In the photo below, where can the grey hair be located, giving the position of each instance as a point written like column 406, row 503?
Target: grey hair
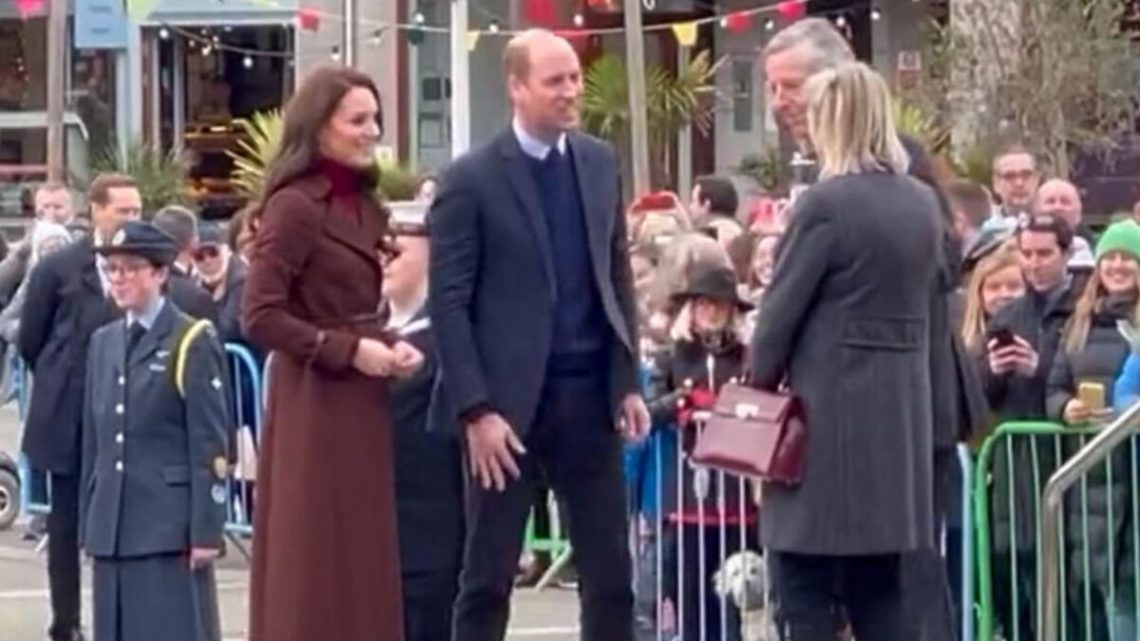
column 179, row 223
column 829, row 48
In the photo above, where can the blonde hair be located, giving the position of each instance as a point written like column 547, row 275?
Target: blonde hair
column 974, row 319
column 1077, row 329
column 850, row 122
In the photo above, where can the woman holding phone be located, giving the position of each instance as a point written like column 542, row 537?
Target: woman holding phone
column 1090, row 358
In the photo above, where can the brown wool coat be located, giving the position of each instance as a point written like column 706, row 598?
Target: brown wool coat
column 326, row 562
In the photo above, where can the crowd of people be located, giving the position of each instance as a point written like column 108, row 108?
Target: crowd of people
column 432, row 379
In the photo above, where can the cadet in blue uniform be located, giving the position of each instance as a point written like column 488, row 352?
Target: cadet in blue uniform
column 154, row 455
column 429, row 477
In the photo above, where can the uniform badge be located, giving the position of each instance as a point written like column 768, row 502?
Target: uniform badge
column 221, row 467
column 157, row 367
column 218, row 493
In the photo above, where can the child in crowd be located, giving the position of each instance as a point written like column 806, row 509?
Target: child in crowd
column 715, row 516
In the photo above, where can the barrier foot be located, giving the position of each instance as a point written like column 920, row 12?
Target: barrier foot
column 242, row 548
column 556, row 567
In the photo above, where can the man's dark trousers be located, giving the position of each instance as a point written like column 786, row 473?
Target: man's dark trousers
column 63, row 556
column 573, row 440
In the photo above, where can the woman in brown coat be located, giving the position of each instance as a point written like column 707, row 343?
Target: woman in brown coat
column 326, row 564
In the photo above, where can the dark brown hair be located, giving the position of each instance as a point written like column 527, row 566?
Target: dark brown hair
column 305, row 115
column 99, row 192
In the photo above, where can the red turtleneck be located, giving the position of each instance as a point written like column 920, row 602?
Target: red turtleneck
column 345, row 180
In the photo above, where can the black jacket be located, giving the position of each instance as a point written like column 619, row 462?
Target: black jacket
column 189, row 296
column 229, row 306
column 429, row 477
column 493, row 293
column 65, row 304
column 1105, row 497
column 1022, row 465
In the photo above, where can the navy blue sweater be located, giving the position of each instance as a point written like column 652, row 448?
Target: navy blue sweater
column 580, row 327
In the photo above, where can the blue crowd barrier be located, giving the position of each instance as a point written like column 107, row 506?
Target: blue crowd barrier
column 246, row 390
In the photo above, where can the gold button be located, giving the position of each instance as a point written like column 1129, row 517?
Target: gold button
column 118, row 466
column 119, row 408
column 119, row 437
column 122, row 381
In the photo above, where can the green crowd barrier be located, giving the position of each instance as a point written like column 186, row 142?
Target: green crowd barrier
column 1099, row 578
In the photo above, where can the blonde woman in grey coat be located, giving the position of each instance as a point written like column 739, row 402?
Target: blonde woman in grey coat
column 845, row 324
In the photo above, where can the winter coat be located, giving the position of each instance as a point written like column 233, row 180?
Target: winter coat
column 693, row 365
column 1098, row 509
column 1021, row 465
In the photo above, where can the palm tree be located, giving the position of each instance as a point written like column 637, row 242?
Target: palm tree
column 258, row 146
column 673, row 101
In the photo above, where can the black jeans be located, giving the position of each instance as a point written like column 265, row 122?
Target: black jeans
column 574, row 442
column 63, row 556
column 813, row 595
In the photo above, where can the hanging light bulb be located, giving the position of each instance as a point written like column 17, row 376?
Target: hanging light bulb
column 876, row 15
column 494, row 26
column 207, row 50
column 335, row 54
column 164, row 33
column 769, row 25
column 418, row 18
column 579, row 20
column 841, row 22
column 724, row 22
column 247, row 62
column 377, row 37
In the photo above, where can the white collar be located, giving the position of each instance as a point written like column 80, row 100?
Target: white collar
column 534, row 147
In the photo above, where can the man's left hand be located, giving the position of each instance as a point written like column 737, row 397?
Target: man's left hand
column 634, row 420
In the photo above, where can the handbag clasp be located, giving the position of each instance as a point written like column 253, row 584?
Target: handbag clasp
column 747, row 410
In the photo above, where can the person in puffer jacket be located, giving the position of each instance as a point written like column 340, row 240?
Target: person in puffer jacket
column 713, row 519
column 1098, row 511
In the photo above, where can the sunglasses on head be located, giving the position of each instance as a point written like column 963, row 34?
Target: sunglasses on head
column 206, row 252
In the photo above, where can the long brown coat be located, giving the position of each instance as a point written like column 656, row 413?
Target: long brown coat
column 326, row 561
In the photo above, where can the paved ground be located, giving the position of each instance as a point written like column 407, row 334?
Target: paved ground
column 545, row 616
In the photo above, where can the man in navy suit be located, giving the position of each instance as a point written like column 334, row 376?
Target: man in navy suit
column 532, row 304
column 67, row 300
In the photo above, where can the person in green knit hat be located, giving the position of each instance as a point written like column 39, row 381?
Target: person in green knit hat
column 1085, row 386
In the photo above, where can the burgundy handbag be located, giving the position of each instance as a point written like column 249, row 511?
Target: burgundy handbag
column 754, row 432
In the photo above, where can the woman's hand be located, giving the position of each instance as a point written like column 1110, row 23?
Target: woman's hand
column 373, row 358
column 407, row 360
column 1076, row 412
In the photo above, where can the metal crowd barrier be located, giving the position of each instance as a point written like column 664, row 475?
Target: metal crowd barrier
column 700, row 573
column 246, row 391
column 1094, row 559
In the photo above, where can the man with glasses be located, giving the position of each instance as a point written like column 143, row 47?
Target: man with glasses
column 67, row 300
column 181, row 224
column 1015, row 179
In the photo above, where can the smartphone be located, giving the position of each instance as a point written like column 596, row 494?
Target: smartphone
column 1092, row 395
column 1003, row 336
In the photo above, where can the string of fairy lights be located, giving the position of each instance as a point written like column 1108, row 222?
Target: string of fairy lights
column 766, row 17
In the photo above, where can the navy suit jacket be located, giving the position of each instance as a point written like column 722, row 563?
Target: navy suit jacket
column 65, row 304
column 492, row 294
